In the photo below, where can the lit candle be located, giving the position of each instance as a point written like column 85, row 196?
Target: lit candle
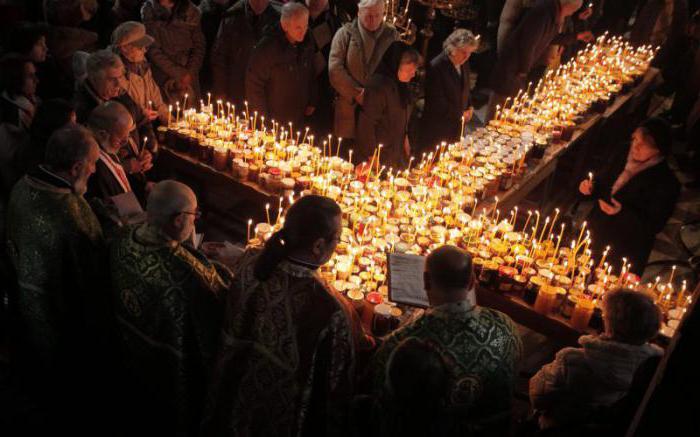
column 267, row 212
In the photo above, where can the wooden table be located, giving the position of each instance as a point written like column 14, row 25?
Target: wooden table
column 226, row 202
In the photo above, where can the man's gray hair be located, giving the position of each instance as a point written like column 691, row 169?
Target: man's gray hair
column 293, row 10
column 100, row 60
column 67, row 146
column 167, row 198
column 108, row 116
column 370, row 4
column 458, row 39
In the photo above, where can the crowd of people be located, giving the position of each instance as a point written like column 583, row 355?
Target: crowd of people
column 120, row 328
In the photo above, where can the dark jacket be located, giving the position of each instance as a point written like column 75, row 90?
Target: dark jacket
column 103, row 184
column 280, row 81
column 446, row 99
column 648, row 200
column 179, row 47
column 524, row 46
column 239, row 31
column 383, row 120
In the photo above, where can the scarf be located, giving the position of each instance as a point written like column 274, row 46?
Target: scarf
column 369, row 40
column 632, row 169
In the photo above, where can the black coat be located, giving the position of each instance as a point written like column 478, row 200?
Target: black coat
column 524, row 46
column 383, row 119
column 103, row 184
column 446, row 99
column 239, row 31
column 280, row 81
column 648, row 200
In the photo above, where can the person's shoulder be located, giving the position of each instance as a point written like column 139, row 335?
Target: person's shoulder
column 495, row 317
column 237, row 10
column 192, row 15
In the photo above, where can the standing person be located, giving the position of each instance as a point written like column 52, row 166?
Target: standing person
column 50, row 116
column 634, row 196
column 212, row 12
column 323, row 24
column 241, row 28
column 525, row 46
column 386, row 110
column 168, row 301
column 280, row 81
column 59, row 311
column 356, row 51
column 30, row 40
column 599, row 373
column 178, row 52
column 130, row 42
column 18, row 103
column 286, row 365
column 511, row 14
column 480, row 346
column 66, row 35
column 447, row 93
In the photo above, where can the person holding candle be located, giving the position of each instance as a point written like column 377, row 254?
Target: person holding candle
column 111, row 125
column 386, row 111
column 178, row 51
column 447, row 93
column 286, row 365
column 168, row 303
column 634, row 196
column 280, row 80
column 356, row 51
column 482, row 346
column 106, row 81
column 241, row 28
column 130, row 42
column 579, row 380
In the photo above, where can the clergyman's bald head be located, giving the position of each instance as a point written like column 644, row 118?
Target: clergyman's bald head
column 449, row 268
column 168, row 198
column 110, row 116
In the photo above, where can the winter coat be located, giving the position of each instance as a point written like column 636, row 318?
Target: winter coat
column 446, row 99
column 239, row 31
column 142, row 89
column 212, row 12
column 524, row 46
column 648, row 200
column 383, row 119
column 179, row 45
column 350, row 68
column 581, row 379
column 511, row 14
column 280, row 81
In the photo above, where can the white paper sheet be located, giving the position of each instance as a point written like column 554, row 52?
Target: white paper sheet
column 406, row 280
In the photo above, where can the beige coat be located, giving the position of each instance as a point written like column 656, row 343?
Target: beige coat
column 349, row 70
column 143, row 89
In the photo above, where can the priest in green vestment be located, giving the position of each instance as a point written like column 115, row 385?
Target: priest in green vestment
column 479, row 346
column 168, row 307
column 56, row 247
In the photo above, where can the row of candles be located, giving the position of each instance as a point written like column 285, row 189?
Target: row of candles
column 598, row 72
column 431, row 202
column 529, row 260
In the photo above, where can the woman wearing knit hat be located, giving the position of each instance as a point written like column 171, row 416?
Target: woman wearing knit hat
column 634, row 197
